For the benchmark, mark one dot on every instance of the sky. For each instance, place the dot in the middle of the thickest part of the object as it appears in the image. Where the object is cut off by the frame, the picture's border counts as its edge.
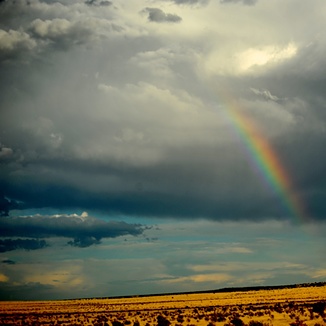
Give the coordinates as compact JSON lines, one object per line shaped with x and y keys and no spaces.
{"x":158,"y":146}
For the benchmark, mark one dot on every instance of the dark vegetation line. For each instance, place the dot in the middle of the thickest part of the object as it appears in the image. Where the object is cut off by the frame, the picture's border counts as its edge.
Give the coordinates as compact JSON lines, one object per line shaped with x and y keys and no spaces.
{"x":223,"y":290}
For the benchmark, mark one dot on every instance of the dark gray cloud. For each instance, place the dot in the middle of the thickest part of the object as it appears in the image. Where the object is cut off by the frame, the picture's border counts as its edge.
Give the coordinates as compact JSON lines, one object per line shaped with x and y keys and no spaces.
{"x":126,"y":122}
{"x":45,"y":26}
{"x":98,"y":3}
{"x":190,"y":2}
{"x":159,"y":16}
{"x":204,"y":187}
{"x":8,"y":262}
{"x":27,"y":244}
{"x":6,"y":205}
{"x":245,"y":2}
{"x":83,"y":242}
{"x":83,"y":229}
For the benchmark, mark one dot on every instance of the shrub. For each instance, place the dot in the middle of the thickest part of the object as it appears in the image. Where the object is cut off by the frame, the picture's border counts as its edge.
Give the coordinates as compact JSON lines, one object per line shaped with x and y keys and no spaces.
{"x":319,"y":307}
{"x":180,"y":319}
{"x":237,"y":322}
{"x":255,"y":323}
{"x":221,"y":318}
{"x":278,"y":308}
{"x":116,"y":323}
{"x":161,"y":321}
{"x":298,"y":323}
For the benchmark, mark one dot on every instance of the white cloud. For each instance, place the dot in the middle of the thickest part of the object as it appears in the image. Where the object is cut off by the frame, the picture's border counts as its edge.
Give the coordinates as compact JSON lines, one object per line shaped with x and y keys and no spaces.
{"x":319,"y":273}
{"x":266,"y":94}
{"x":50,"y":28}
{"x":266,"y":56}
{"x":105,"y":88}
{"x":56,"y":139}
{"x":5,"y":153}
{"x":234,"y":59}
{"x":159,"y":62}
{"x":13,"y":43}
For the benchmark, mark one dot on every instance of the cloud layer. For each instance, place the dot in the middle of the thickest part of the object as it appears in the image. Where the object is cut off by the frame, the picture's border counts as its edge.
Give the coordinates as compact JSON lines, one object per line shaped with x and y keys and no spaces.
{"x":105,"y":110}
{"x":188,"y":256}
{"x":84,"y":230}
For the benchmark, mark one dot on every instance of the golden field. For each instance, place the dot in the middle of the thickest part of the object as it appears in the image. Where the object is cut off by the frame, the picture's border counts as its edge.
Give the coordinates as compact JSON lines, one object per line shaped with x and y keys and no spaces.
{"x":288,"y":306}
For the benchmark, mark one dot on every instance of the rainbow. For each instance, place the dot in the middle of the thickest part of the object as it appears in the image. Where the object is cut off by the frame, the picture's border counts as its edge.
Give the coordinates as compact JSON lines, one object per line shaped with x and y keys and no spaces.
{"x":265,"y":160}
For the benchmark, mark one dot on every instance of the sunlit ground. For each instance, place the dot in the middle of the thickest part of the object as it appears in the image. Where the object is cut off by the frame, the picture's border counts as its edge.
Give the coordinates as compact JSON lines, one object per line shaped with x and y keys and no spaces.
{"x":303,"y":306}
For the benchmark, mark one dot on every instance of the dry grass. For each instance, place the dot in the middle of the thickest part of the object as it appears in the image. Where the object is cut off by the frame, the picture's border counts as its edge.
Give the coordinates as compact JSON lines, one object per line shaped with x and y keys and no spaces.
{"x":296,"y":307}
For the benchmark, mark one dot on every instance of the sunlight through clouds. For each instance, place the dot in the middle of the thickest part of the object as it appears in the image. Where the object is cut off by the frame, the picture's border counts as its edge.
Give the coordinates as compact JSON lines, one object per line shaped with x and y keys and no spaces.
{"x":269,"y":55}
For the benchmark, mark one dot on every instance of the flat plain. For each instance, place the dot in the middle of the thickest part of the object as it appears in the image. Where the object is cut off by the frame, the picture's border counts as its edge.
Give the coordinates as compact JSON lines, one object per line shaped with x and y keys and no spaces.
{"x":298,"y":306}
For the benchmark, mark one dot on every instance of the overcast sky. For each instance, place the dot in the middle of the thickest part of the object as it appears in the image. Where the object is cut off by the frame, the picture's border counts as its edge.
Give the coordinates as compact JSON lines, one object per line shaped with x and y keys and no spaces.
{"x":126,"y":165}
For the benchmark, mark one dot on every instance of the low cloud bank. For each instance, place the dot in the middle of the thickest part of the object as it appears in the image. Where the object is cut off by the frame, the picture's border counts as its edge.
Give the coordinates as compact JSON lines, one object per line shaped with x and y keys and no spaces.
{"x":27,"y":244}
{"x":84,"y":230}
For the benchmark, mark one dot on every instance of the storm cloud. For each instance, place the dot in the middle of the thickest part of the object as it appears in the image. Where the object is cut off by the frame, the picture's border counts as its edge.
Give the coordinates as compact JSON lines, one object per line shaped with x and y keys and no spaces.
{"x":133,"y":120}
{"x":245,"y":2}
{"x":6,"y":205}
{"x":14,"y":244}
{"x":83,"y":229}
{"x":98,"y":3}
{"x":190,"y":2}
{"x":159,"y":16}
{"x":8,"y":261}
